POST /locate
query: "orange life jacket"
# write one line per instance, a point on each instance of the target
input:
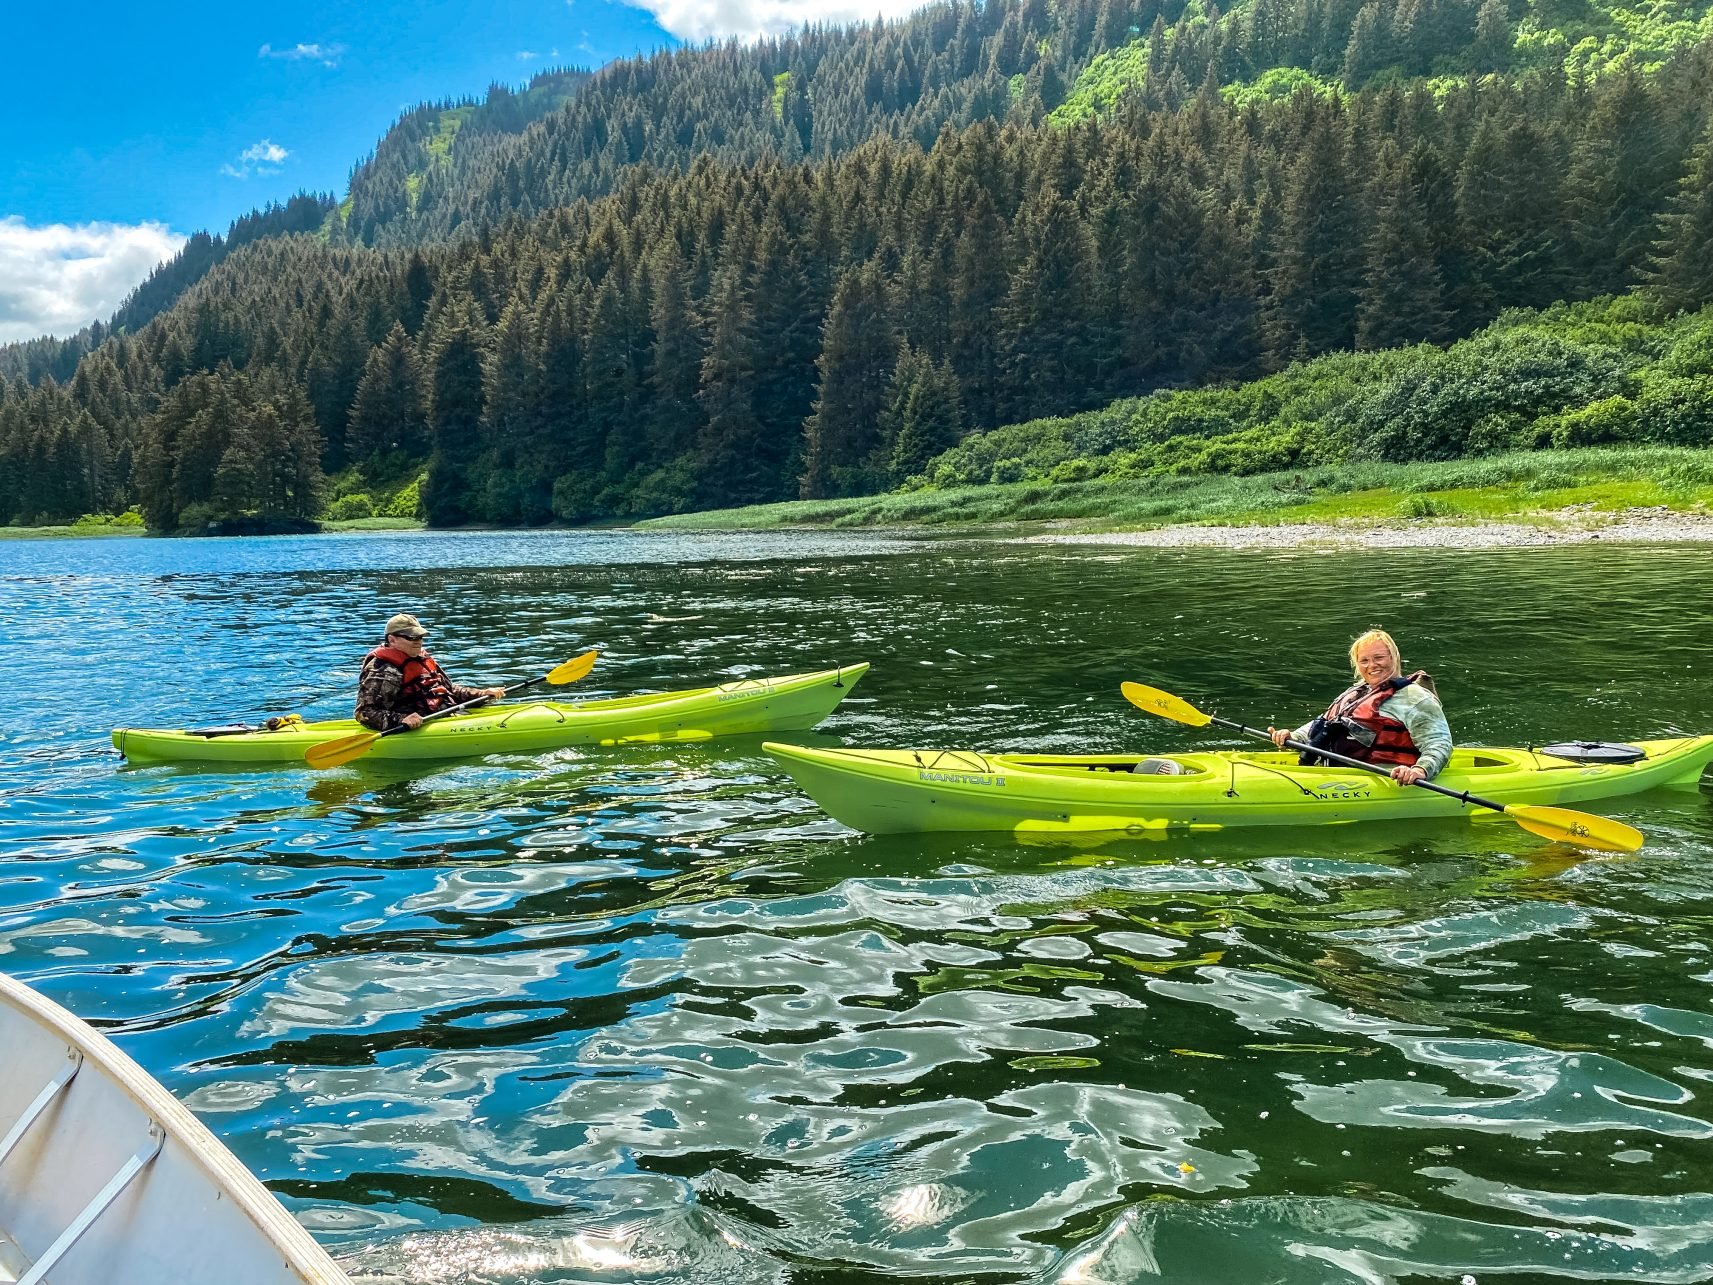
(425, 687)
(1357, 726)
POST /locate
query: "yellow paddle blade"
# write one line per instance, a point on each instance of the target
(1580, 828)
(1164, 704)
(573, 669)
(343, 750)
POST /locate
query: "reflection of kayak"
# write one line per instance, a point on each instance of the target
(790, 703)
(901, 791)
(80, 1121)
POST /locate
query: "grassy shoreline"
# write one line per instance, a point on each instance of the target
(70, 532)
(1544, 487)
(89, 530)
(1555, 488)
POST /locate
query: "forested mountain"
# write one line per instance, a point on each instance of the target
(741, 317)
(37, 359)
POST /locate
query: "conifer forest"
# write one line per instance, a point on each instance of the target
(823, 265)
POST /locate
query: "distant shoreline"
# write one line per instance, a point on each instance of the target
(1550, 528)
(1644, 526)
(110, 531)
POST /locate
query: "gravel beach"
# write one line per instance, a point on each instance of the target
(1637, 526)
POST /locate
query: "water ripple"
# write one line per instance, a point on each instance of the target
(646, 1014)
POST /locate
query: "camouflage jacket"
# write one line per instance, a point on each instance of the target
(381, 701)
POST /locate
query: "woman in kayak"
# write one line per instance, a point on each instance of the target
(1383, 718)
(401, 682)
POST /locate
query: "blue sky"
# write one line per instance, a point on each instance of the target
(130, 126)
(124, 112)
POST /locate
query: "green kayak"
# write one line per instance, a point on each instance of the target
(906, 791)
(790, 703)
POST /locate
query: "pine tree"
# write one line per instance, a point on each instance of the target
(333, 375)
(418, 290)
(1682, 276)
(1621, 175)
(454, 419)
(674, 368)
(1048, 361)
(858, 352)
(732, 465)
(1510, 202)
(387, 415)
(1494, 40)
(611, 379)
(978, 290)
(929, 418)
(1401, 297)
(788, 313)
(1318, 261)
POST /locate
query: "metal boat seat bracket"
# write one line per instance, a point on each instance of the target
(106, 1196)
(51, 1090)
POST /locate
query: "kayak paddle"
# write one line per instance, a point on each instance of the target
(346, 748)
(1550, 823)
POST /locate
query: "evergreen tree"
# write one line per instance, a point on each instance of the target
(1401, 299)
(978, 291)
(1683, 268)
(387, 415)
(926, 413)
(1494, 40)
(1048, 361)
(1510, 203)
(732, 461)
(454, 419)
(418, 291)
(675, 364)
(512, 382)
(844, 449)
(1621, 174)
(788, 312)
(1318, 264)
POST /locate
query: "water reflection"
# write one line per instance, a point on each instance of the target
(647, 1014)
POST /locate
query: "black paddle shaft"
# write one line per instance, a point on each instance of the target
(1303, 748)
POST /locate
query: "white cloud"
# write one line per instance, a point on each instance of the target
(531, 55)
(326, 55)
(698, 20)
(55, 279)
(263, 157)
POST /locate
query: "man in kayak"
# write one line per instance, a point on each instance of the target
(401, 682)
(1384, 718)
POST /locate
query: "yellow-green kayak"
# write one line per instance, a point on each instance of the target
(790, 703)
(906, 791)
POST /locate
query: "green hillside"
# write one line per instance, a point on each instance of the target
(828, 265)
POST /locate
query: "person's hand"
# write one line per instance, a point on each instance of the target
(493, 693)
(412, 720)
(1279, 736)
(1405, 774)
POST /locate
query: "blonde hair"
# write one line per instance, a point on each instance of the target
(1373, 636)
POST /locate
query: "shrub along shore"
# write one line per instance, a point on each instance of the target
(1558, 492)
(1582, 488)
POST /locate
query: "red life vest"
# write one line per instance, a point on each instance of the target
(425, 687)
(1361, 729)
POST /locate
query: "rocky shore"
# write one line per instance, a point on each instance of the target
(1636, 526)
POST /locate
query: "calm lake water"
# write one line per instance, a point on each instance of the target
(646, 1014)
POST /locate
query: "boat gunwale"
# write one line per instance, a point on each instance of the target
(228, 1175)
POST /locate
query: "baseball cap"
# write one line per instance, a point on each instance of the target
(406, 626)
